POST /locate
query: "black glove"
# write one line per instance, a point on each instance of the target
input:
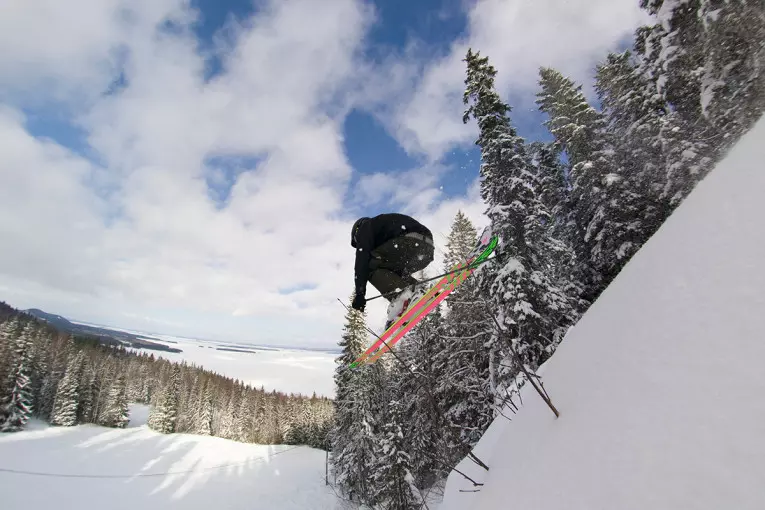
(359, 301)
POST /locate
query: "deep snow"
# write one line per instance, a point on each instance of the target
(94, 467)
(661, 385)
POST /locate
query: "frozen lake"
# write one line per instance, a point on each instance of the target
(282, 369)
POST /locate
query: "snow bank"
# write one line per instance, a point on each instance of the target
(661, 385)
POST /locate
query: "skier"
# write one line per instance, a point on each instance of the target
(389, 249)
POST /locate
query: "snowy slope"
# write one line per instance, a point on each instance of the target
(661, 385)
(91, 467)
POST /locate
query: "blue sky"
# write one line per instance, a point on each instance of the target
(194, 169)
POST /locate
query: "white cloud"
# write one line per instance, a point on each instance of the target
(518, 36)
(135, 237)
(160, 244)
(70, 50)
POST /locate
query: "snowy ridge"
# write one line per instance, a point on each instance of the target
(660, 385)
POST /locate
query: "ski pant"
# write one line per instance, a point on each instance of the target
(394, 261)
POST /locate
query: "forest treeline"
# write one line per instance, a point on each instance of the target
(570, 214)
(68, 380)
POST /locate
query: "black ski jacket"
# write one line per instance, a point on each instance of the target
(374, 232)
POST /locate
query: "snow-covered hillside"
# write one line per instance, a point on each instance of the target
(93, 467)
(661, 385)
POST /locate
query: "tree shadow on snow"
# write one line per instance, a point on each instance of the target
(139, 469)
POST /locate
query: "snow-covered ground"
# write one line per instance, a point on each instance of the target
(661, 385)
(285, 370)
(135, 468)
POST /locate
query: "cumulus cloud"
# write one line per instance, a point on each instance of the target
(519, 36)
(139, 228)
(215, 206)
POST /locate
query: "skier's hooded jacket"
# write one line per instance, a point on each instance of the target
(370, 233)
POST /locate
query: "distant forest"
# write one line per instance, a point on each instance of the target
(68, 379)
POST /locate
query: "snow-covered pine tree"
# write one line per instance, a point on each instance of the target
(638, 121)
(733, 83)
(527, 300)
(352, 433)
(115, 413)
(187, 402)
(565, 265)
(461, 388)
(67, 402)
(576, 125)
(595, 230)
(17, 406)
(17, 410)
(88, 395)
(230, 410)
(424, 427)
(678, 46)
(461, 241)
(553, 183)
(578, 129)
(57, 362)
(264, 419)
(164, 413)
(392, 479)
(244, 416)
(10, 330)
(205, 411)
(38, 370)
(5, 357)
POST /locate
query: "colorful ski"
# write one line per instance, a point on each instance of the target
(428, 302)
(456, 281)
(400, 321)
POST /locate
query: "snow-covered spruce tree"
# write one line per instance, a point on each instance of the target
(392, 478)
(88, 395)
(262, 422)
(636, 120)
(565, 264)
(352, 433)
(665, 151)
(115, 413)
(595, 228)
(679, 35)
(576, 126)
(67, 402)
(527, 300)
(5, 349)
(10, 330)
(17, 410)
(245, 415)
(733, 82)
(462, 387)
(229, 428)
(57, 362)
(17, 407)
(578, 129)
(38, 369)
(705, 58)
(426, 432)
(164, 413)
(461, 242)
(205, 411)
(554, 192)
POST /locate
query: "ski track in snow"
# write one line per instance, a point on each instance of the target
(660, 385)
(93, 467)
